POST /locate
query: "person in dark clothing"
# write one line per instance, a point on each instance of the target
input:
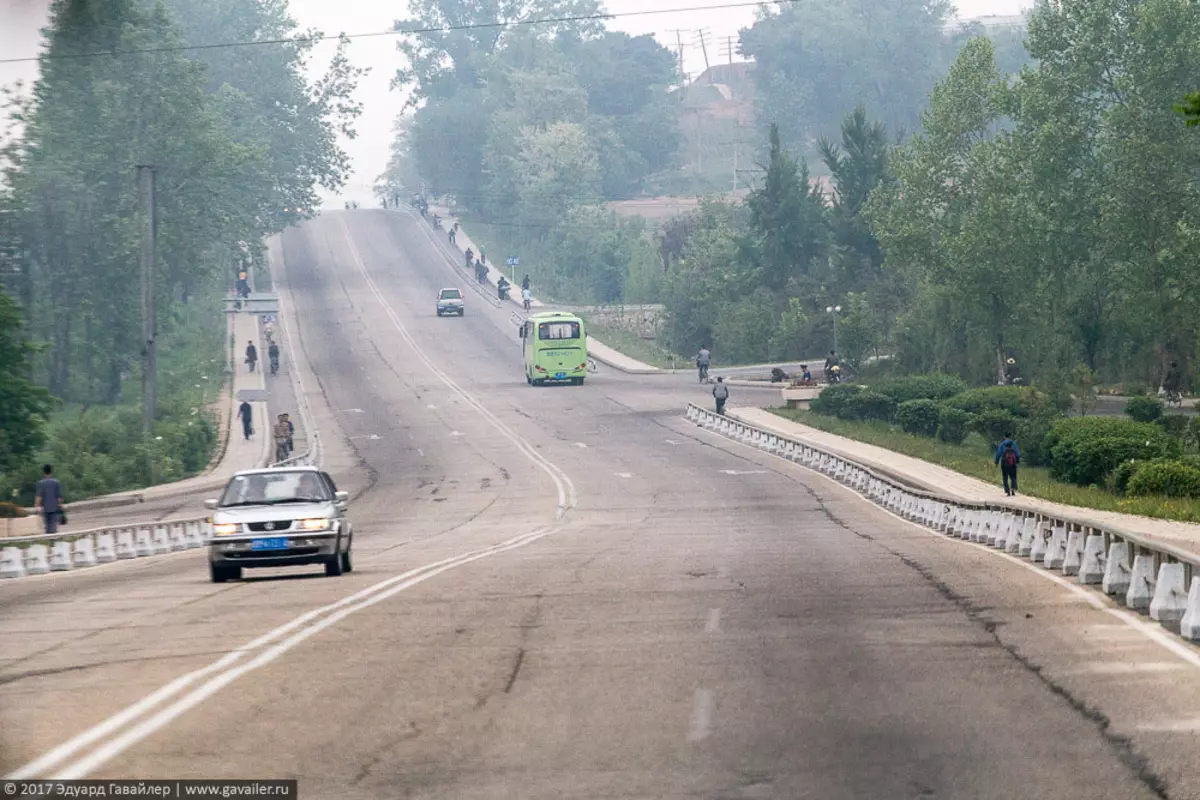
(244, 413)
(721, 395)
(251, 355)
(1008, 456)
(48, 500)
(525, 283)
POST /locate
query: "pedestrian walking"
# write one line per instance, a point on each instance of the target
(251, 355)
(721, 394)
(48, 500)
(244, 413)
(1008, 456)
(291, 433)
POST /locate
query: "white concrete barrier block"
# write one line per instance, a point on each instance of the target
(1041, 540)
(142, 545)
(995, 528)
(37, 559)
(1141, 583)
(1029, 537)
(160, 540)
(83, 552)
(126, 547)
(1092, 568)
(1056, 549)
(192, 534)
(962, 528)
(177, 538)
(981, 530)
(60, 556)
(1018, 535)
(1073, 560)
(1170, 595)
(1117, 572)
(106, 547)
(1189, 626)
(12, 563)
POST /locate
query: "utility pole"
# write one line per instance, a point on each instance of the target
(729, 40)
(679, 46)
(702, 35)
(146, 175)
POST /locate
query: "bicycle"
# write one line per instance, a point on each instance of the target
(703, 372)
(1174, 398)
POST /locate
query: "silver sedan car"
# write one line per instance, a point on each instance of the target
(279, 517)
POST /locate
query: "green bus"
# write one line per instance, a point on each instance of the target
(555, 347)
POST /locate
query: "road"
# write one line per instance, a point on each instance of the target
(572, 593)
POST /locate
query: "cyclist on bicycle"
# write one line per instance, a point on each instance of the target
(1173, 383)
(273, 354)
(282, 433)
(703, 358)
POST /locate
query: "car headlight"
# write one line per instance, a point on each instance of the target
(225, 529)
(313, 524)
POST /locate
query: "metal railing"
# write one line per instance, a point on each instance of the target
(61, 552)
(312, 455)
(1149, 576)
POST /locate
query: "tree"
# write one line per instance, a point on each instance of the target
(817, 59)
(23, 405)
(450, 40)
(787, 220)
(1190, 108)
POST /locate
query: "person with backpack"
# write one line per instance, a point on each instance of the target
(1008, 456)
(721, 395)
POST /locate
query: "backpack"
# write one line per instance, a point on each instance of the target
(1009, 459)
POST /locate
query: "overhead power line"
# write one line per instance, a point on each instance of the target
(394, 32)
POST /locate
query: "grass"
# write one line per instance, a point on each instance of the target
(630, 344)
(974, 458)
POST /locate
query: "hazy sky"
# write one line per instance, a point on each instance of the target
(20, 21)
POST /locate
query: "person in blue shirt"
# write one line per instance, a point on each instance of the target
(1008, 456)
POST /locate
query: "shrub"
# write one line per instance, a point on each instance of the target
(11, 510)
(919, 417)
(1020, 401)
(1144, 408)
(1119, 481)
(953, 425)
(1175, 425)
(1193, 432)
(868, 405)
(831, 399)
(1170, 478)
(994, 425)
(1084, 450)
(1031, 436)
(936, 386)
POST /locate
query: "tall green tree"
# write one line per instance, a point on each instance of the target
(23, 404)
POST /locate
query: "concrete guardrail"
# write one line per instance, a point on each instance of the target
(1156, 578)
(60, 552)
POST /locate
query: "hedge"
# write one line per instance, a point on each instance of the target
(831, 399)
(994, 425)
(953, 425)
(1020, 401)
(936, 386)
(919, 417)
(1144, 409)
(1085, 450)
(868, 405)
(1170, 478)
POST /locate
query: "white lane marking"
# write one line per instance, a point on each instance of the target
(351, 411)
(431, 406)
(457, 433)
(670, 441)
(745, 471)
(420, 452)
(563, 484)
(227, 672)
(701, 721)
(714, 620)
(623, 474)
(1172, 726)
(1118, 668)
(579, 444)
(1151, 631)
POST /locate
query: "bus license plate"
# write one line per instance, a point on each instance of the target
(560, 375)
(269, 543)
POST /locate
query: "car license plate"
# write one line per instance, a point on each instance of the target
(560, 375)
(269, 543)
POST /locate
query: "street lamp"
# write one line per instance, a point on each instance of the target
(835, 310)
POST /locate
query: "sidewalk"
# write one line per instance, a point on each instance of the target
(935, 478)
(597, 350)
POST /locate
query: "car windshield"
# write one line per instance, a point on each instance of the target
(272, 488)
(451, 294)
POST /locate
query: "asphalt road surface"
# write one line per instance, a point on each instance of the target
(572, 593)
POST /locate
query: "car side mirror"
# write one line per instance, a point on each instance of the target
(210, 504)
(342, 497)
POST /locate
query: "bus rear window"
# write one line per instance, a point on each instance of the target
(558, 330)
